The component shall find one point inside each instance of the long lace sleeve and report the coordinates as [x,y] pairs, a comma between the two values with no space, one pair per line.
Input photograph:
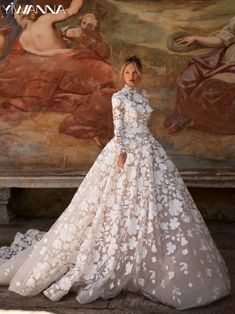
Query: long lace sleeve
[118,113]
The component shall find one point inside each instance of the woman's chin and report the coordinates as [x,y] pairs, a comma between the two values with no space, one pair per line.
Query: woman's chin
[132,84]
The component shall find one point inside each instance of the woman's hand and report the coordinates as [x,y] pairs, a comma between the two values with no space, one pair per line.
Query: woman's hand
[209,41]
[186,40]
[121,160]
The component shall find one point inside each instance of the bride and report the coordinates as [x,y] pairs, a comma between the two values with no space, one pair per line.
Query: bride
[132,225]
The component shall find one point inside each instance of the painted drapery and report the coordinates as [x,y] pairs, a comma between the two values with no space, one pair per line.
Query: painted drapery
[57,107]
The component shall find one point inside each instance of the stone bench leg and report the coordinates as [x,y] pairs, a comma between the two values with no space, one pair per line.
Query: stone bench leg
[4,197]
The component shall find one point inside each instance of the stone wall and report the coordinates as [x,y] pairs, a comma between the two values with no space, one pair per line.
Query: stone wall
[31,203]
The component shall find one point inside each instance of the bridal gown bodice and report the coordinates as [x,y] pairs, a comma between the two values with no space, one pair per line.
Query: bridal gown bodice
[131,112]
[137,229]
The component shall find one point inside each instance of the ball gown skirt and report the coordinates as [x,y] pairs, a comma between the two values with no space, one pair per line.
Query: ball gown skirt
[136,229]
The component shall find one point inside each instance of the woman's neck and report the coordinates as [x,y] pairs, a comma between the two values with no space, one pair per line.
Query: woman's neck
[136,87]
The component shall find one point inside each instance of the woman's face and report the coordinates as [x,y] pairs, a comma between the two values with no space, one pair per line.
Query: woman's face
[88,22]
[131,75]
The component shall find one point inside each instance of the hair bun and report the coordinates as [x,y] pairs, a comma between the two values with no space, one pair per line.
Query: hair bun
[134,59]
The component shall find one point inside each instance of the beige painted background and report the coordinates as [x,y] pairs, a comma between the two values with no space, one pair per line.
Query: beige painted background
[31,140]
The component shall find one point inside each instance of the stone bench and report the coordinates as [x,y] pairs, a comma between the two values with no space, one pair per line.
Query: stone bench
[214,178]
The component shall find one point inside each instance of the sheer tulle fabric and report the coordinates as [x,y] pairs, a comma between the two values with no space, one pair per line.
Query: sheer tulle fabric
[137,229]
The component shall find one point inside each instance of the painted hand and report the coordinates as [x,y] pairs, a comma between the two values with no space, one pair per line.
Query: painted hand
[186,40]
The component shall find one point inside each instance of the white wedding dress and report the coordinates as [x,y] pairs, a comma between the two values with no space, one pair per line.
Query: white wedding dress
[136,229]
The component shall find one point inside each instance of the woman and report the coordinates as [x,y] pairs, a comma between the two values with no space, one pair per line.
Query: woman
[132,225]
[40,36]
[87,35]
[205,91]
[43,75]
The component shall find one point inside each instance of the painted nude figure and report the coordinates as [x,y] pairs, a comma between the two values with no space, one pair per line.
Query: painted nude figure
[40,35]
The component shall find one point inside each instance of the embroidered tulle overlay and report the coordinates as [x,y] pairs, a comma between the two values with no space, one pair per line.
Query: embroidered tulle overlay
[20,243]
[137,229]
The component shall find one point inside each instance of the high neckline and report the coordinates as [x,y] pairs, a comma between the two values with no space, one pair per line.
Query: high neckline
[130,88]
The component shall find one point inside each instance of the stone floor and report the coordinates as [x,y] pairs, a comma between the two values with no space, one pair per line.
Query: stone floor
[126,303]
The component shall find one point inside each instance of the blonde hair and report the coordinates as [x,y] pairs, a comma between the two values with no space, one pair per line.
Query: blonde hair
[132,60]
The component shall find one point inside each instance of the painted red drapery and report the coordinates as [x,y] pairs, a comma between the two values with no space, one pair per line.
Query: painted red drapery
[205,99]
[77,82]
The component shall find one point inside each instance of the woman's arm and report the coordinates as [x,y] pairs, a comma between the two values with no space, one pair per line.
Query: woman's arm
[209,41]
[47,53]
[73,9]
[118,113]
[73,32]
